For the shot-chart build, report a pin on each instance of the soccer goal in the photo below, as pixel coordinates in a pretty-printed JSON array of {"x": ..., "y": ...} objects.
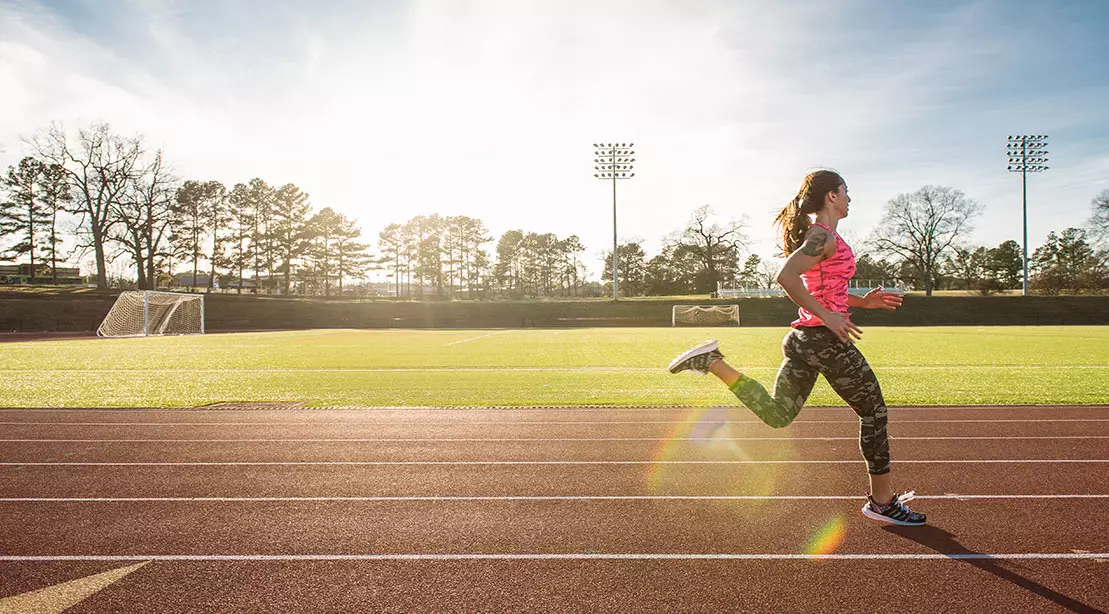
[
  {"x": 140, "y": 313},
  {"x": 705, "y": 315}
]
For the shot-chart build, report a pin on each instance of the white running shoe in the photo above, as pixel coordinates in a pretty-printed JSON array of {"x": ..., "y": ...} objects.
[
  {"x": 697, "y": 359},
  {"x": 894, "y": 512}
]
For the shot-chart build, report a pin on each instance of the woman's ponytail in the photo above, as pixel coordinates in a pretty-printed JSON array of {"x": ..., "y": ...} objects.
[{"x": 793, "y": 221}]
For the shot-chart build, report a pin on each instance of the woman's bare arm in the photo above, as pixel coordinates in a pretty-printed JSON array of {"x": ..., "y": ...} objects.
[{"x": 818, "y": 245}]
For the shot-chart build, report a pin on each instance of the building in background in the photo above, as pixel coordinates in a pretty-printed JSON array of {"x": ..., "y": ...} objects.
[{"x": 20, "y": 274}]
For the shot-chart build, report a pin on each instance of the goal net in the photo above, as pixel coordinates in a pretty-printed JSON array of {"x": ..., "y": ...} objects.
[
  {"x": 146, "y": 312},
  {"x": 705, "y": 315}
]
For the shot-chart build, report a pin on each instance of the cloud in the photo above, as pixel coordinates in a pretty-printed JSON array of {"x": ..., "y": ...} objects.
[{"x": 489, "y": 109}]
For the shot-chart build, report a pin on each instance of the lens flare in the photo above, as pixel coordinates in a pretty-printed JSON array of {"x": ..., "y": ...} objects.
[
  {"x": 829, "y": 538},
  {"x": 708, "y": 434}
]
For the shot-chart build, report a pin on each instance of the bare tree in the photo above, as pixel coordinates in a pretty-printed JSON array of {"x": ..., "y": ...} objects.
[
  {"x": 715, "y": 247},
  {"x": 921, "y": 228},
  {"x": 767, "y": 273},
  {"x": 100, "y": 165},
  {"x": 142, "y": 215},
  {"x": 1100, "y": 220}
]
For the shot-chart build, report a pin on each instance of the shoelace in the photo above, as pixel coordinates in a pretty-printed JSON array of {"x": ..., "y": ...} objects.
[
  {"x": 900, "y": 500},
  {"x": 903, "y": 498}
]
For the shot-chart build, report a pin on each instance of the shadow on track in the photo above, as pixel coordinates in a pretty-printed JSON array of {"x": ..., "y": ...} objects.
[{"x": 945, "y": 543}]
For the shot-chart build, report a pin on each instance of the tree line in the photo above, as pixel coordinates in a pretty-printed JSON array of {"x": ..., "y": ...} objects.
[
  {"x": 127, "y": 202},
  {"x": 919, "y": 244}
]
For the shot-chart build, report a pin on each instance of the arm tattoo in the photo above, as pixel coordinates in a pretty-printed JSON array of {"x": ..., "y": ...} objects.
[{"x": 814, "y": 243}]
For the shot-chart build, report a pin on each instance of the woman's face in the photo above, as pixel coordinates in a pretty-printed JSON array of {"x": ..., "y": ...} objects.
[{"x": 839, "y": 201}]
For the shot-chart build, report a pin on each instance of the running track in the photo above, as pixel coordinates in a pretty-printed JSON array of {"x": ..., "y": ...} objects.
[{"x": 546, "y": 509}]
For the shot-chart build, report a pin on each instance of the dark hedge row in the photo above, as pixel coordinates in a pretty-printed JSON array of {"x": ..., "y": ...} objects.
[{"x": 26, "y": 312}]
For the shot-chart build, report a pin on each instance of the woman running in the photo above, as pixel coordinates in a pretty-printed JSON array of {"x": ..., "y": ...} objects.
[{"x": 818, "y": 265}]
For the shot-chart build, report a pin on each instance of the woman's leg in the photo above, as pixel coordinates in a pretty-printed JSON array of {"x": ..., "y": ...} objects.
[
  {"x": 849, "y": 374},
  {"x": 795, "y": 380}
]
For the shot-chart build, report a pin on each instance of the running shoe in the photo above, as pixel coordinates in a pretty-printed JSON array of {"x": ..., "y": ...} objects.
[
  {"x": 894, "y": 512},
  {"x": 697, "y": 359}
]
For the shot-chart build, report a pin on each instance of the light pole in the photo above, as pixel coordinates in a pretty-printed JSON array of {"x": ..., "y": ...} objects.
[
  {"x": 1027, "y": 154},
  {"x": 613, "y": 162}
]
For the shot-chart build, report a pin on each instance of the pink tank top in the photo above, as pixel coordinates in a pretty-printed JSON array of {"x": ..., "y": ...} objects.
[{"x": 827, "y": 282}]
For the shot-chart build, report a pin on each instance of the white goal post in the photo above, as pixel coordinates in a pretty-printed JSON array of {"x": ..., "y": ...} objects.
[
  {"x": 705, "y": 315},
  {"x": 141, "y": 313}
]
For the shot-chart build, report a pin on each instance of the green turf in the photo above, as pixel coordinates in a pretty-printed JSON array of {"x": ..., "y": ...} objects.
[{"x": 610, "y": 366}]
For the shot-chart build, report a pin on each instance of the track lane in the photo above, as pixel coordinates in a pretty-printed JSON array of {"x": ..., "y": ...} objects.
[
  {"x": 503, "y": 414},
  {"x": 1053, "y": 525},
  {"x": 708, "y": 447},
  {"x": 583, "y": 586},
  {"x": 845, "y": 426},
  {"x": 485, "y": 527},
  {"x": 537, "y": 480}
]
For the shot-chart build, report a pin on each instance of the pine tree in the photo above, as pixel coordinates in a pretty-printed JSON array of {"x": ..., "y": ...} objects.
[
  {"x": 56, "y": 198},
  {"x": 353, "y": 256},
  {"x": 23, "y": 213},
  {"x": 290, "y": 215}
]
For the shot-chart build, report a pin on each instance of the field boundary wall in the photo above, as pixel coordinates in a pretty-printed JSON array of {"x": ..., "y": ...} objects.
[{"x": 31, "y": 312}]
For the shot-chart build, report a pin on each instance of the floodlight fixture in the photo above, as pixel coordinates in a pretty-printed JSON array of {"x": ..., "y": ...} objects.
[
  {"x": 614, "y": 163},
  {"x": 1027, "y": 154}
]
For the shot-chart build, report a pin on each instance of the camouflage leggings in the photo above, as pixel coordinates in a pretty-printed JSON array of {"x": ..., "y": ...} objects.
[{"x": 810, "y": 351}]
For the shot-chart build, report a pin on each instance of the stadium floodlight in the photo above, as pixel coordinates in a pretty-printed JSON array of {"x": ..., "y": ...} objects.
[
  {"x": 614, "y": 162},
  {"x": 1027, "y": 154}
]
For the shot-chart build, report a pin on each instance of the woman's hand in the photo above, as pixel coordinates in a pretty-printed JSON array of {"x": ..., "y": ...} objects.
[
  {"x": 844, "y": 328},
  {"x": 880, "y": 299}
]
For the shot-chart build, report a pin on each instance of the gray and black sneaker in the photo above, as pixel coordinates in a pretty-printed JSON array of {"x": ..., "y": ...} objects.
[
  {"x": 697, "y": 359},
  {"x": 894, "y": 512}
]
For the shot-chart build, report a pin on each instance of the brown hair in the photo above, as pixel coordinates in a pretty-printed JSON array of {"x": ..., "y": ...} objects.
[{"x": 793, "y": 222}]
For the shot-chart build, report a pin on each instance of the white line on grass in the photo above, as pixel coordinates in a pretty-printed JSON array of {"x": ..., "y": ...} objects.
[
  {"x": 537, "y": 369},
  {"x": 543, "y": 462},
  {"x": 957, "y": 497},
  {"x": 584, "y": 408},
  {"x": 496, "y": 332},
  {"x": 558, "y": 556},
  {"x": 540, "y": 439},
  {"x": 487, "y": 422}
]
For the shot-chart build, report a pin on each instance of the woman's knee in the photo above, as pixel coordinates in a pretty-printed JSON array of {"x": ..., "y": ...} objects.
[{"x": 779, "y": 421}]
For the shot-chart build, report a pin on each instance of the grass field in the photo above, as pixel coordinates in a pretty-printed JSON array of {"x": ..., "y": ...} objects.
[{"x": 607, "y": 366}]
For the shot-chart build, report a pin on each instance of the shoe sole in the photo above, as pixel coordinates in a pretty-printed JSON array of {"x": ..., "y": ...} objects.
[
  {"x": 873, "y": 515},
  {"x": 704, "y": 348}
]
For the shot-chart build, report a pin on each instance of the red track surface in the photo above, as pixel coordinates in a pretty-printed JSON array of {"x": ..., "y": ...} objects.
[{"x": 369, "y": 510}]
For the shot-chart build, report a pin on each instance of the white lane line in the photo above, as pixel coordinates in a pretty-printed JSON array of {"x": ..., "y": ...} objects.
[
  {"x": 496, "y": 332},
  {"x": 587, "y": 407},
  {"x": 487, "y": 423},
  {"x": 538, "y": 369},
  {"x": 558, "y": 556},
  {"x": 957, "y": 497},
  {"x": 543, "y": 439},
  {"x": 544, "y": 462}
]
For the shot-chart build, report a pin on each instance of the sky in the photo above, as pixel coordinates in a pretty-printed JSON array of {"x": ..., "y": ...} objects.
[{"x": 383, "y": 110}]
